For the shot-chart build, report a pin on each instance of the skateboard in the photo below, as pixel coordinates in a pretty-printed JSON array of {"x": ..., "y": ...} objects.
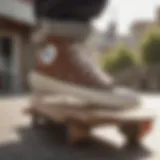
[{"x": 79, "y": 117}]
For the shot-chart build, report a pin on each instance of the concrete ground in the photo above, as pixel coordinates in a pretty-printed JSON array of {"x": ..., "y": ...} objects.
[{"x": 18, "y": 141}]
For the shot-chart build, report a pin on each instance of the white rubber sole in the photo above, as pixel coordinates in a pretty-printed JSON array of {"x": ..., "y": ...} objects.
[{"x": 117, "y": 98}]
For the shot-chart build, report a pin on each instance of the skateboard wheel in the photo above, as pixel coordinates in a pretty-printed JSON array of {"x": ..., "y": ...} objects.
[
  {"x": 35, "y": 121},
  {"x": 134, "y": 132},
  {"x": 76, "y": 133}
]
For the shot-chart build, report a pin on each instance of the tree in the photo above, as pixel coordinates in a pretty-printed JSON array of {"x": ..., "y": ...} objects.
[
  {"x": 121, "y": 59},
  {"x": 150, "y": 47}
]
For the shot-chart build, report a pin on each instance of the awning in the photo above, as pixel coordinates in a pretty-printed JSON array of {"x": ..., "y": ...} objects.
[{"x": 17, "y": 11}]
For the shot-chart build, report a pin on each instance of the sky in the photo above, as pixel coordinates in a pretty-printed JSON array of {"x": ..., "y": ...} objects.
[{"x": 125, "y": 12}]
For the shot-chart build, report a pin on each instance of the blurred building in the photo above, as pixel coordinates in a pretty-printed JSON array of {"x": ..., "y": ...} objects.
[
  {"x": 108, "y": 40},
  {"x": 139, "y": 27},
  {"x": 103, "y": 42},
  {"x": 16, "y": 21},
  {"x": 158, "y": 15}
]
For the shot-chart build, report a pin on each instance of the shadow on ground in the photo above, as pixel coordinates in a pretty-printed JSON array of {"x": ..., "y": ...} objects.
[{"x": 43, "y": 144}]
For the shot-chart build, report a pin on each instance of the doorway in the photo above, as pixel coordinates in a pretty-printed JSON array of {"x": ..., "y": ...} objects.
[{"x": 8, "y": 65}]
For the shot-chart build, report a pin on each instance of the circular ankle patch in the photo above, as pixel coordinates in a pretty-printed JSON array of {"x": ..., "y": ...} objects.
[{"x": 49, "y": 54}]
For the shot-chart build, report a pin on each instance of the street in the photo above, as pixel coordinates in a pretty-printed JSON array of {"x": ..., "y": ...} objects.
[{"x": 18, "y": 141}]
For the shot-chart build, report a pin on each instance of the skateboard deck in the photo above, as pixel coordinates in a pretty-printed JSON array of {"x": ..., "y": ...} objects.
[{"x": 62, "y": 108}]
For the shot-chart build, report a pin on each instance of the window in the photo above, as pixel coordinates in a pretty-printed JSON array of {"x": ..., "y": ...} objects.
[{"x": 6, "y": 48}]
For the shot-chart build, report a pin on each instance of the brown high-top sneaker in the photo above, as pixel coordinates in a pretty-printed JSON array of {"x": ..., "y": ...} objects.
[{"x": 63, "y": 67}]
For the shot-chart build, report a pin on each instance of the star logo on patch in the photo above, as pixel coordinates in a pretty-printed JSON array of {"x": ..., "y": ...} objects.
[{"x": 49, "y": 54}]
